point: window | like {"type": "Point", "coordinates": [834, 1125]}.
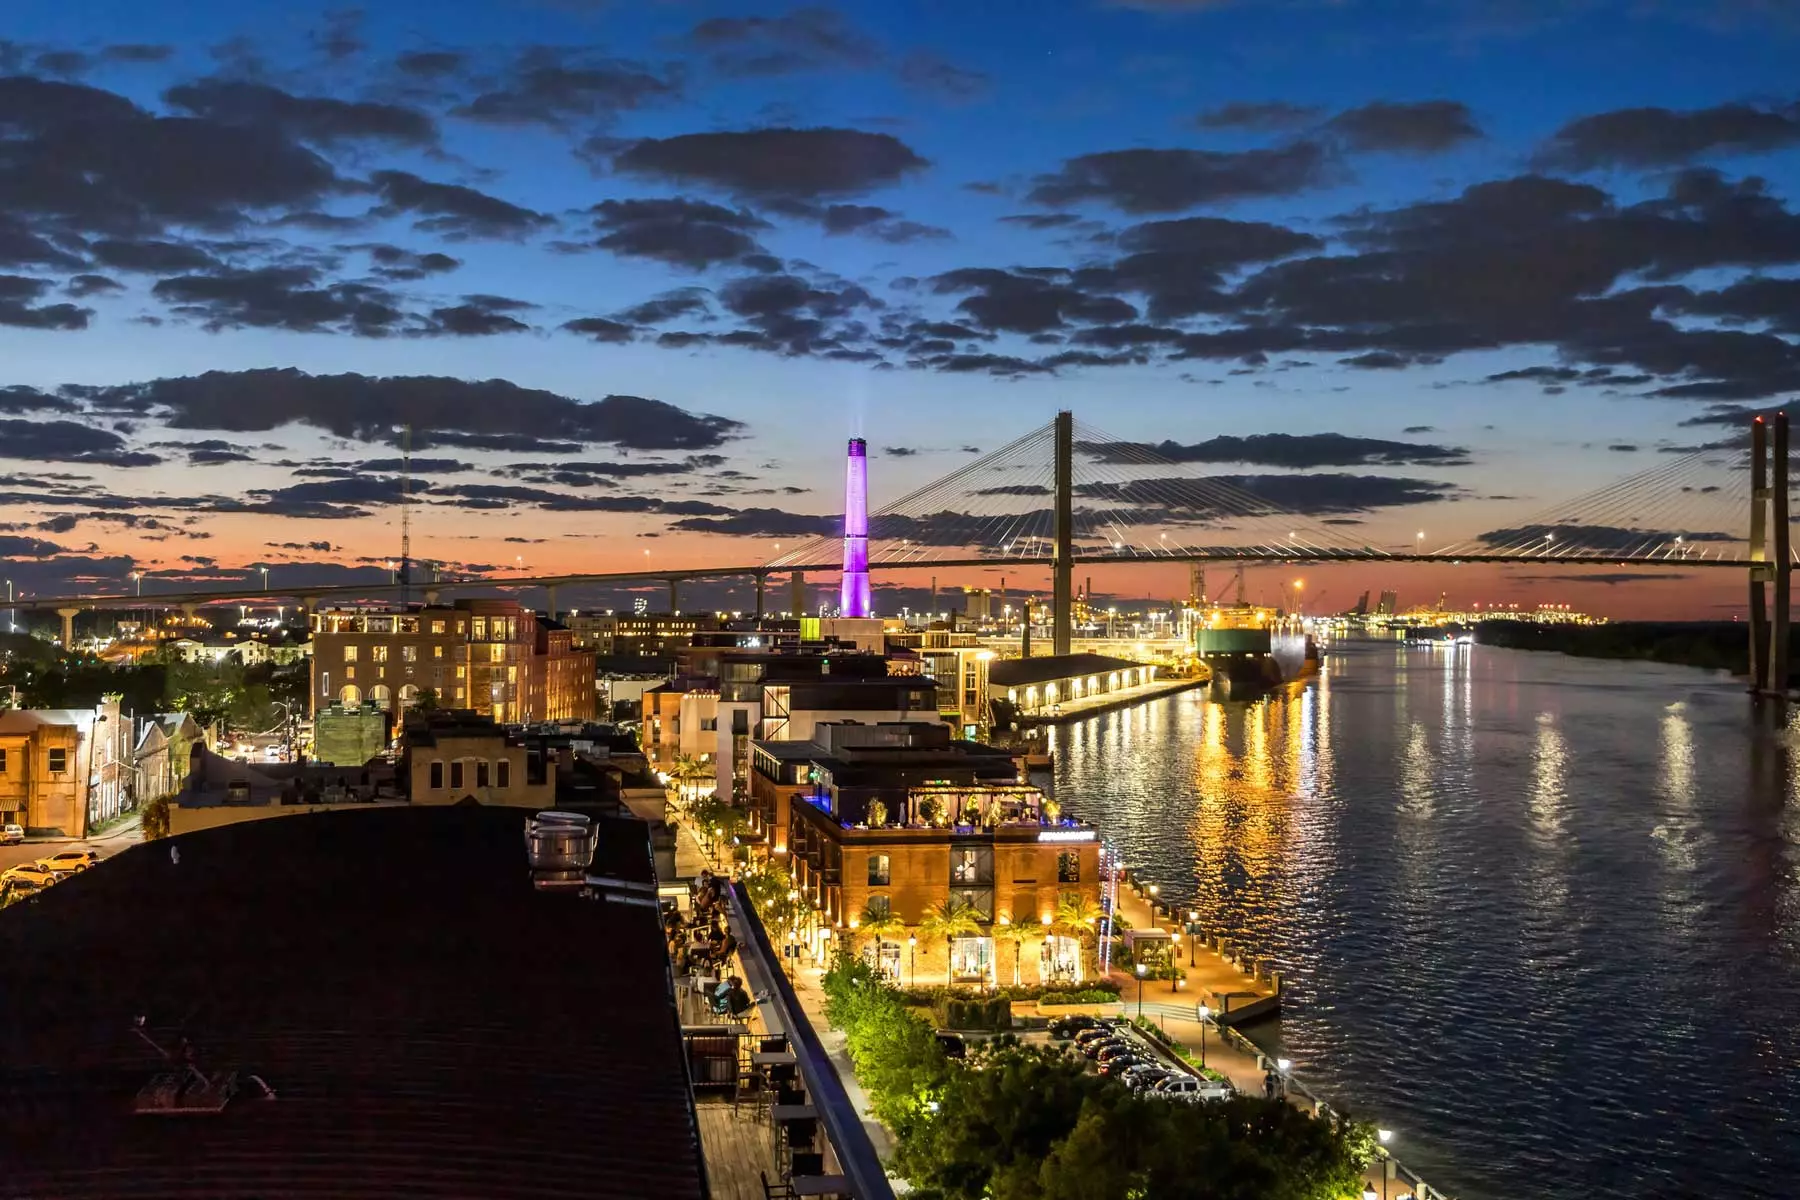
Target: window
{"type": "Point", "coordinates": [461, 671]}
{"type": "Point", "coordinates": [350, 654]}
{"type": "Point", "coordinates": [1068, 867]}
{"type": "Point", "coordinates": [459, 693]}
{"type": "Point", "coordinates": [350, 696]}
{"type": "Point", "coordinates": [503, 773]}
{"type": "Point", "coordinates": [59, 761]}
{"type": "Point", "coordinates": [881, 906]}
{"type": "Point", "coordinates": [2, 762]}
{"type": "Point", "coordinates": [409, 654]}
{"type": "Point", "coordinates": [437, 652]}
{"type": "Point", "coordinates": [437, 776]}
{"type": "Point", "coordinates": [879, 871]}
{"type": "Point", "coordinates": [437, 627]}
{"type": "Point", "coordinates": [378, 654]}
{"type": "Point", "coordinates": [349, 672]}
{"type": "Point", "coordinates": [496, 652]}
{"type": "Point", "coordinates": [456, 775]}
{"type": "Point", "coordinates": [481, 773]}
{"type": "Point", "coordinates": [479, 632]}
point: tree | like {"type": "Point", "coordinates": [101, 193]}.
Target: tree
{"type": "Point", "coordinates": [879, 924]}
{"type": "Point", "coordinates": [1016, 932]}
{"type": "Point", "coordinates": [426, 700]}
{"type": "Point", "coordinates": [688, 772]}
{"type": "Point", "coordinates": [947, 921]}
{"type": "Point", "coordinates": [1079, 917]}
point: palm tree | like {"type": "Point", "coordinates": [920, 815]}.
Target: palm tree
{"type": "Point", "coordinates": [880, 924]}
{"type": "Point", "coordinates": [1015, 933]}
{"type": "Point", "coordinates": [949, 920]}
{"type": "Point", "coordinates": [1078, 917]}
{"type": "Point", "coordinates": [688, 770]}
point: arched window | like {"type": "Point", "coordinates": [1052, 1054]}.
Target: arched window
{"type": "Point", "coordinates": [409, 695]}
{"type": "Point", "coordinates": [379, 695]}
{"type": "Point", "coordinates": [351, 696]}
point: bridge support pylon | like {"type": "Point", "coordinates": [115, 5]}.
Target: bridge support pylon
{"type": "Point", "coordinates": [1770, 557]}
{"type": "Point", "coordinates": [550, 600]}
{"type": "Point", "coordinates": [762, 583]}
{"type": "Point", "coordinates": [797, 594]}
{"type": "Point", "coordinates": [68, 630]}
{"type": "Point", "coordinates": [674, 597]}
{"type": "Point", "coordinates": [1062, 566]}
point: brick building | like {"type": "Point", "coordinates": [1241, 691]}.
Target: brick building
{"type": "Point", "coordinates": [493, 656]}
{"type": "Point", "coordinates": [899, 817]}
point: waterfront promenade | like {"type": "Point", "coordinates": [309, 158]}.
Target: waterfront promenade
{"type": "Point", "coordinates": [1074, 710]}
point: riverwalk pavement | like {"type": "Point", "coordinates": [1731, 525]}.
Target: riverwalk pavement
{"type": "Point", "coordinates": [1070, 710]}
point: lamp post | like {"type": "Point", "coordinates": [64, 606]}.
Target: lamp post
{"type": "Point", "coordinates": [912, 942]}
{"type": "Point", "coordinates": [1384, 1136]}
{"type": "Point", "coordinates": [1202, 1011]}
{"type": "Point", "coordinates": [137, 580]}
{"type": "Point", "coordinates": [265, 577]}
{"type": "Point", "coordinates": [1142, 970]}
{"type": "Point", "coordinates": [1282, 1065]}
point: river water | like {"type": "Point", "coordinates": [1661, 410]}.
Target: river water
{"type": "Point", "coordinates": [1539, 915]}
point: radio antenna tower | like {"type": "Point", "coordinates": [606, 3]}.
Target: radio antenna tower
{"type": "Point", "coordinates": [405, 515]}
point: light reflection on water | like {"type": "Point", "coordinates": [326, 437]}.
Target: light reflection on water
{"type": "Point", "coordinates": [1539, 914]}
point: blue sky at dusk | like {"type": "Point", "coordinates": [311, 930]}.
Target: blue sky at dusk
{"type": "Point", "coordinates": [634, 271]}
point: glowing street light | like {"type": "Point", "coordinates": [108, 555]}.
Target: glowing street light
{"type": "Point", "coordinates": [137, 578]}
{"type": "Point", "coordinates": [265, 577]}
{"type": "Point", "coordinates": [1203, 1013]}
{"type": "Point", "coordinates": [1142, 970]}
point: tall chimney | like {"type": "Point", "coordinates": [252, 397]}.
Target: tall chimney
{"type": "Point", "coordinates": [854, 595]}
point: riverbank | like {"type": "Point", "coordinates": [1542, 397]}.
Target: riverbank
{"type": "Point", "coordinates": [1709, 645]}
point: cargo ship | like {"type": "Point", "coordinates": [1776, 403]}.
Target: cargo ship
{"type": "Point", "coordinates": [1252, 649]}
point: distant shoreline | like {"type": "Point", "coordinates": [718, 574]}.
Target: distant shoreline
{"type": "Point", "coordinates": [1709, 645]}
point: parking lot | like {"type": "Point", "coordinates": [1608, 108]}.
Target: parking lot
{"type": "Point", "coordinates": [31, 851]}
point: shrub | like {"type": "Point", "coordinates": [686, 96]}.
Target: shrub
{"type": "Point", "coordinates": [1094, 995]}
{"type": "Point", "coordinates": [992, 1013]}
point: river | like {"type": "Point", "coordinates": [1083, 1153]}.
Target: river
{"type": "Point", "coordinates": [1539, 915]}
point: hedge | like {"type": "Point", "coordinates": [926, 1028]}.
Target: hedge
{"type": "Point", "coordinates": [991, 1013]}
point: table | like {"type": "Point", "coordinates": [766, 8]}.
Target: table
{"type": "Point", "coordinates": [820, 1185]}
{"type": "Point", "coordinates": [781, 1114]}
{"type": "Point", "coordinates": [773, 1058]}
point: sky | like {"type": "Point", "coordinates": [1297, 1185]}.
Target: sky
{"type": "Point", "coordinates": [632, 273]}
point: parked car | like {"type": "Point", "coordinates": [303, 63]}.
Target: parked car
{"type": "Point", "coordinates": [1095, 1033]}
{"type": "Point", "coordinates": [1067, 1027]}
{"type": "Point", "coordinates": [68, 862]}
{"type": "Point", "coordinates": [1093, 1049]}
{"type": "Point", "coordinates": [1182, 1086]}
{"type": "Point", "coordinates": [31, 873]}
{"type": "Point", "coordinates": [1145, 1075]}
{"type": "Point", "coordinates": [1118, 1064]}
{"type": "Point", "coordinates": [11, 835]}
{"type": "Point", "coordinates": [952, 1045]}
{"type": "Point", "coordinates": [1115, 1049]}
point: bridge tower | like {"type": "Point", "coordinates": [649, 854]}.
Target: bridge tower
{"type": "Point", "coordinates": [1062, 565]}
{"type": "Point", "coordinates": [1769, 563]}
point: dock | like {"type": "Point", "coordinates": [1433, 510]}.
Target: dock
{"type": "Point", "coordinates": [1075, 710]}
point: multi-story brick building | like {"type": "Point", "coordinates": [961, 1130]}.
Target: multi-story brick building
{"type": "Point", "coordinates": [632, 636]}
{"type": "Point", "coordinates": [493, 656]}
{"type": "Point", "coordinates": [901, 818]}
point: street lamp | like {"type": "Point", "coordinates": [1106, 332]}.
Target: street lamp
{"type": "Point", "coordinates": [265, 577]}
{"type": "Point", "coordinates": [1202, 1011]}
{"type": "Point", "coordinates": [912, 943]}
{"type": "Point", "coordinates": [1142, 970]}
{"type": "Point", "coordinates": [1282, 1065]}
{"type": "Point", "coordinates": [1384, 1136]}
{"type": "Point", "coordinates": [137, 579]}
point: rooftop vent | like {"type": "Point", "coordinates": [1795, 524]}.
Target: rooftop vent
{"type": "Point", "coordinates": [559, 846]}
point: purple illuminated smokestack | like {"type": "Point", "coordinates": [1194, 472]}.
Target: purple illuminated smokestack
{"type": "Point", "coordinates": [854, 598]}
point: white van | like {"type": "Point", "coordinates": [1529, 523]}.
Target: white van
{"type": "Point", "coordinates": [1192, 1089]}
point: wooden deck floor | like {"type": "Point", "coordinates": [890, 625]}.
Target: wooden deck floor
{"type": "Point", "coordinates": [737, 1146]}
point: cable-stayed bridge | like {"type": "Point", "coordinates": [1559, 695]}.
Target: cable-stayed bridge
{"type": "Point", "coordinates": [1067, 495]}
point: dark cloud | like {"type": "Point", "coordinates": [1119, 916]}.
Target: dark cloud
{"type": "Point", "coordinates": [1298, 451]}
{"type": "Point", "coordinates": [789, 315]}
{"type": "Point", "coordinates": [293, 298]}
{"type": "Point", "coordinates": [1042, 221]}
{"type": "Point", "coordinates": [777, 162]}
{"type": "Point", "coordinates": [17, 293]}
{"type": "Point", "coordinates": [1609, 578]}
{"type": "Point", "coordinates": [151, 256]}
{"type": "Point", "coordinates": [761, 522]}
{"type": "Point", "coordinates": [556, 86]}
{"type": "Point", "coordinates": [1597, 539]}
{"type": "Point", "coordinates": [395, 263]}
{"type": "Point", "coordinates": [23, 547]}
{"type": "Point", "coordinates": [666, 307]}
{"type": "Point", "coordinates": [136, 53]}
{"type": "Point", "coordinates": [1148, 181]}
{"type": "Point", "coordinates": [317, 119]}
{"type": "Point", "coordinates": [1266, 116]}
{"type": "Point", "coordinates": [1377, 360]}
{"type": "Point", "coordinates": [1021, 303]}
{"type": "Point", "coordinates": [1181, 265]}
{"type": "Point", "coordinates": [806, 39]}
{"type": "Point", "coordinates": [1420, 429]}
{"type": "Point", "coordinates": [319, 547]}
{"type": "Point", "coordinates": [1423, 127]}
{"type": "Point", "coordinates": [442, 411]}
{"type": "Point", "coordinates": [1661, 137]}
{"type": "Point", "coordinates": [431, 64]}
{"type": "Point", "coordinates": [686, 233]}
{"type": "Point", "coordinates": [340, 34]}
{"type": "Point", "coordinates": [1623, 448]}
{"type": "Point", "coordinates": [18, 398]}
{"type": "Point", "coordinates": [1758, 300]}
{"type": "Point", "coordinates": [70, 442]}
{"type": "Point", "coordinates": [453, 211]}
{"type": "Point", "coordinates": [927, 72]}
{"type": "Point", "coordinates": [477, 316]}
{"type": "Point", "coordinates": [1325, 492]}
{"type": "Point", "coordinates": [81, 159]}
{"type": "Point", "coordinates": [900, 451]}
{"type": "Point", "coordinates": [601, 329]}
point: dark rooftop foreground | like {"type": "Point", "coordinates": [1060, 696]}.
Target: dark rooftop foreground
{"type": "Point", "coordinates": [431, 1024]}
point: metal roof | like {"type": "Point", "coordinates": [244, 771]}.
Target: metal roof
{"type": "Point", "coordinates": [432, 1025]}
{"type": "Point", "coordinates": [1017, 672]}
